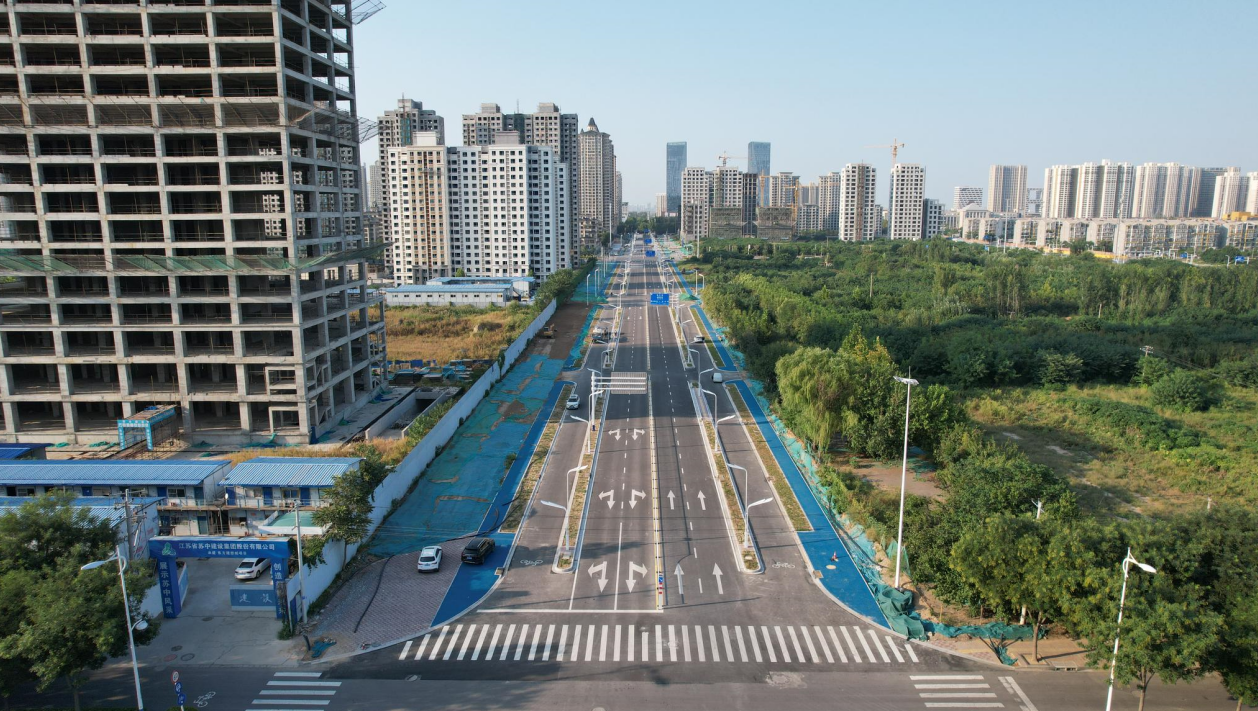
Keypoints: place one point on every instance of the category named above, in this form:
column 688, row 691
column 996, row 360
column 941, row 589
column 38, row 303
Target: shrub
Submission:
column 1184, row 391
column 1058, row 370
column 1140, row 425
column 1150, row 371
column 1241, row 373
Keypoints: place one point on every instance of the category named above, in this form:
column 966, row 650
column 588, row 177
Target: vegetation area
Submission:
column 57, row 621
column 515, row 514
column 1110, row 394
column 785, row 493
column 446, row 333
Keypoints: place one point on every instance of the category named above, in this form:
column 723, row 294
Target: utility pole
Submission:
column 126, row 520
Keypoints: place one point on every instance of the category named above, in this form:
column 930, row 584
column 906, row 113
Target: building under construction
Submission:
column 180, row 220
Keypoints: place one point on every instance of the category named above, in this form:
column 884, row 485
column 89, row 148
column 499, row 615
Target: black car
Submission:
column 477, row 550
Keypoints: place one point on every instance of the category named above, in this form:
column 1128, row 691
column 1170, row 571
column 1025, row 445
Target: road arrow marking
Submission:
column 610, row 496
column 670, row 501
column 635, row 493
column 716, row 570
column 681, row 589
column 615, row 433
column 634, row 568
column 601, row 568
column 638, row 432
column 701, row 501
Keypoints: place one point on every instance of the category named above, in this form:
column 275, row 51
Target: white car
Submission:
column 429, row 559
column 251, row 568
column 717, row 377
column 574, row 401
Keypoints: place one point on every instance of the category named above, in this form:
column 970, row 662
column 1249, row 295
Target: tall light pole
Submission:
column 301, row 574
column 904, row 470
column 140, row 624
column 566, row 542
column 1122, row 598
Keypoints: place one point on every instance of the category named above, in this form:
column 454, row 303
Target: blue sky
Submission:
column 964, row 85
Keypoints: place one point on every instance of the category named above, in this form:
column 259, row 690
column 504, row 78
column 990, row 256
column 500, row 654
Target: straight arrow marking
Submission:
column 716, row 571
column 701, row 501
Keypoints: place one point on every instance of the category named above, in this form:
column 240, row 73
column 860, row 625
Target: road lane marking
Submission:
column 786, row 654
column 685, row 642
column 484, row 629
column 699, row 642
column 659, row 643
column 742, row 648
column 755, row 645
column 856, row 657
column 952, row 686
column 729, row 650
column 303, row 683
column 768, row 643
column 467, row 641
column 454, row 638
column 616, row 644
column 631, row 635
column 799, row 653
column 524, row 635
column 589, row 643
column 602, row 644
column 964, row 705
column 869, row 655
column 898, row 657
column 812, row 651
column 537, row 637
column 646, row 649
column 550, row 634
column 945, row 677
column 958, row 695
column 716, row 653
column 563, row 643
column 423, row 643
column 506, row 643
column 881, row 652
column 672, row 644
column 825, row 647
column 908, row 647
column 437, row 647
column 405, row 650
column 304, row 675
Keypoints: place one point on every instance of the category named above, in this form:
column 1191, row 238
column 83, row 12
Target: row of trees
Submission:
column 58, row 621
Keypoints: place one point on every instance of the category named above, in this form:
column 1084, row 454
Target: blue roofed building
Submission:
column 478, row 295
column 22, row 451
column 260, row 490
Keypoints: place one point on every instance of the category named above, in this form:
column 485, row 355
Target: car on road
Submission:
column 251, row 568
column 477, row 550
column 574, row 401
column 717, row 377
column 429, row 559
column 698, row 338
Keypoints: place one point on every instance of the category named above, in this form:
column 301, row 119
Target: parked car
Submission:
column 429, row 559
column 477, row 550
column 717, row 377
column 251, row 568
column 574, row 401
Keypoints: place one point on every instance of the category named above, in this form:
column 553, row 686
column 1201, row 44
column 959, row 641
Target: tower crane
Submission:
column 725, row 158
column 895, row 150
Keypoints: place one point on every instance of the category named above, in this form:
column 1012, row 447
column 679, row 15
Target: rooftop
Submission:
column 109, row 473
column 289, row 471
column 449, row 288
column 102, row 507
column 17, row 451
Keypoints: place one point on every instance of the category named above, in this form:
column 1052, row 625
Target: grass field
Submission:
column 445, row 333
column 1114, row 467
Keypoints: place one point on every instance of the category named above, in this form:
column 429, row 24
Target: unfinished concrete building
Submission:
column 180, row 220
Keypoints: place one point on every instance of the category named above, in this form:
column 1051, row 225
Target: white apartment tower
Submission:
column 829, row 195
column 964, row 196
column 1006, row 189
column 181, row 221
column 598, row 208
column 417, row 216
column 400, row 127
column 782, row 189
column 1231, row 189
column 727, row 187
column 1251, row 200
column 1165, row 190
column 696, row 202
column 932, row 218
column 858, row 220
column 908, row 184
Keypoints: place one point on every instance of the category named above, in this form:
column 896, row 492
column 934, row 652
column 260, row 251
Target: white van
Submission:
column 717, row 377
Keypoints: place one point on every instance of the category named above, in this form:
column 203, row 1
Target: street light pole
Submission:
column 1122, row 598
column 904, row 470
column 126, row 607
column 301, row 574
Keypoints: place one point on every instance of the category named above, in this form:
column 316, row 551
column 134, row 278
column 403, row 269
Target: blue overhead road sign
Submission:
column 659, row 299
column 650, row 253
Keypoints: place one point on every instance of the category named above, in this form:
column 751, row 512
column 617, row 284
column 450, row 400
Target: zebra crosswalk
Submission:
column 289, row 690
column 969, row 691
column 762, row 644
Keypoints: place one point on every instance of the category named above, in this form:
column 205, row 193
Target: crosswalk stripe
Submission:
column 454, row 640
column 602, row 645
column 894, row 650
column 672, row 644
column 716, row 652
column 729, row 651
column 799, row 653
column 742, row 648
column 964, row 705
column 946, row 677
column 881, row 652
column 803, row 629
column 768, row 643
column 505, row 649
column 293, row 702
column 786, row 655
column 856, row 657
column 484, row 629
column 699, row 641
column 537, row 637
column 422, row 645
column 306, row 675
column 951, row 686
column 631, row 637
column 659, row 643
column 576, row 643
column 616, row 646
column 467, row 640
column 303, row 683
column 958, row 695
column 493, row 643
column 838, row 646
column 755, row 645
column 589, row 643
column 524, row 638
column 685, row 643
column 405, row 650
column 437, row 646
column 869, row 655
column 297, row 692
column 908, row 647
column 646, row 650
column 550, row 634
column 563, row 643
column 821, row 639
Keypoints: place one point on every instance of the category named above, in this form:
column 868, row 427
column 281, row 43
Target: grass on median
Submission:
column 533, row 474
column 750, row 562
column 785, row 493
column 576, row 508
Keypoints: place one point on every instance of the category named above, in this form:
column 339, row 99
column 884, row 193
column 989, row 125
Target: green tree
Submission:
column 347, row 515
column 48, row 528
column 1058, row 370
column 1151, row 370
column 1183, row 390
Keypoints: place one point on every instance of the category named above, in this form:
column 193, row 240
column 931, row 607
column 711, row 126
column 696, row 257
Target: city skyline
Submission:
column 954, row 140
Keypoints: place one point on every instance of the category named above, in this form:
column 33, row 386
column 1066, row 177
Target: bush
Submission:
column 1151, row 370
column 1058, row 370
column 1184, row 391
column 1137, row 424
column 1241, row 373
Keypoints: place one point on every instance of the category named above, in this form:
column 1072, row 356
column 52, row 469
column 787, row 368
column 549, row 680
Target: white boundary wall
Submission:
column 394, row 486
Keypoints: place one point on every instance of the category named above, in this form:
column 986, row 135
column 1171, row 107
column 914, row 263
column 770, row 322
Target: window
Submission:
column 177, row 492
column 290, row 493
column 24, row 491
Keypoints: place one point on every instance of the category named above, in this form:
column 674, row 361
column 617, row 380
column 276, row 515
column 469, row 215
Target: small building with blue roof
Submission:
column 260, row 490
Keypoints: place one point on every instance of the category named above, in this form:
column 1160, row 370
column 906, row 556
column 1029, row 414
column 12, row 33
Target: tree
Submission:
column 1058, row 370
column 347, row 515
column 1184, row 391
column 48, row 528
column 1152, row 370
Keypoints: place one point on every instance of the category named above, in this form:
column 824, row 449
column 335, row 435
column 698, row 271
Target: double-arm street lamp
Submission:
column 1122, row 598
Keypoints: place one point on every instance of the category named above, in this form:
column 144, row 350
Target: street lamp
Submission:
column 566, row 541
column 904, row 469
column 694, row 355
column 140, row 624
column 747, row 521
column 586, row 448
column 1127, row 563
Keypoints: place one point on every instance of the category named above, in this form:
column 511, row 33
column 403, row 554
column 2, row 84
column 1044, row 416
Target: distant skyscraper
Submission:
column 1165, row 190
column 399, row 127
column 908, row 182
column 1231, row 190
column 1205, row 193
column 696, row 201
column 932, row 218
column 661, row 204
column 808, row 194
column 963, row 195
column 727, row 187
column 829, row 197
column 1059, row 191
column 1006, row 189
column 1116, row 186
column 782, row 190
column 1251, row 201
column 846, row 202
column 675, row 163
column 758, row 158
column 598, row 207
column 374, row 188
column 1034, row 201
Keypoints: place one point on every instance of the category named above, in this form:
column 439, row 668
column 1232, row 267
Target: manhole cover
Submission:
column 170, row 657
column 187, row 657
column 176, row 648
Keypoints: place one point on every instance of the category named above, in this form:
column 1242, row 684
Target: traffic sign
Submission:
column 183, row 699
column 178, row 688
column 658, row 299
column 647, row 240
column 174, row 677
column 650, row 253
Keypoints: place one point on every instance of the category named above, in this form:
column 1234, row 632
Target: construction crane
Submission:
column 725, row 158
column 363, row 9
column 895, row 150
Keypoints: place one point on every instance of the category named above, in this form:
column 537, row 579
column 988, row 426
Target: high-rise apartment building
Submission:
column 829, row 197
column 781, row 189
column 182, row 221
column 1116, row 196
column 1205, row 191
column 932, row 218
column 399, row 127
column 1059, row 191
column 758, row 158
column 696, row 202
column 908, row 183
column 1006, row 189
column 1251, row 200
column 375, row 190
column 727, row 187
column 1165, row 190
column 807, row 194
column 675, row 164
column 419, row 224
column 598, row 208
column 661, row 204
column 858, row 218
column 619, row 201
column 1034, row 201
column 749, row 200
column 1104, row 190
column 964, row 195
column 483, row 127
column 1231, row 190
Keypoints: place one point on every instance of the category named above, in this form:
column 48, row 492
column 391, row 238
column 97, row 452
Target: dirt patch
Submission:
column 887, row 478
column 513, row 409
column 568, row 320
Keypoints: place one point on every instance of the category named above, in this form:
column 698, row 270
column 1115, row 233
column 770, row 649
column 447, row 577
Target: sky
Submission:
column 963, row 85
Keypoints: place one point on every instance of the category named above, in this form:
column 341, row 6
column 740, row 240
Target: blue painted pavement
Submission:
column 844, row 582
